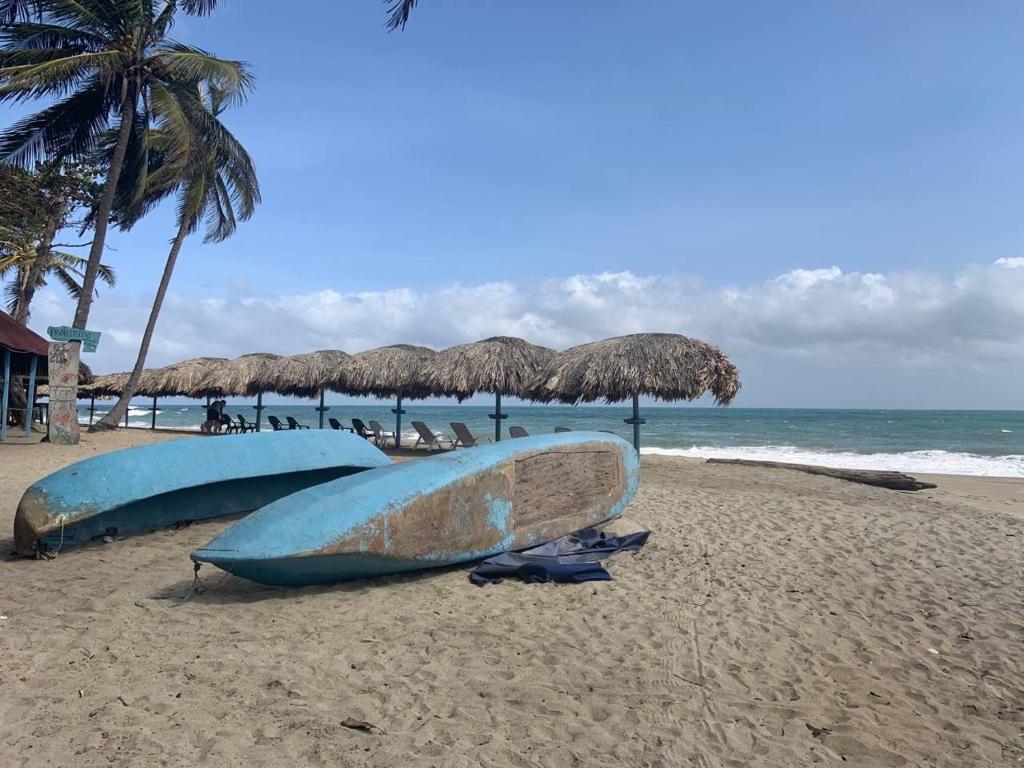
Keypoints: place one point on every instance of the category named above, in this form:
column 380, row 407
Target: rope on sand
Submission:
column 198, row 586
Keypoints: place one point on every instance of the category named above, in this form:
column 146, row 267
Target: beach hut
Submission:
column 387, row 372
column 24, row 354
column 501, row 365
column 665, row 366
column 307, row 375
column 242, row 376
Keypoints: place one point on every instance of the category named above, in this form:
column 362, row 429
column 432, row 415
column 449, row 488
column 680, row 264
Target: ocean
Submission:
column 951, row 442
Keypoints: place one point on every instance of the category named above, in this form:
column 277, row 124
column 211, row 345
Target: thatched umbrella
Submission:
column 242, row 376
column 307, row 375
column 500, row 364
column 184, row 379
column 387, row 372
column 665, row 366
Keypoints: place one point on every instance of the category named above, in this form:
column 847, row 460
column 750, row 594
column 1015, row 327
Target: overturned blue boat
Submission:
column 432, row 512
column 149, row 487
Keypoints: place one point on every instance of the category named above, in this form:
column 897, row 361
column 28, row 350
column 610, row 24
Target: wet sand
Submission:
column 774, row 619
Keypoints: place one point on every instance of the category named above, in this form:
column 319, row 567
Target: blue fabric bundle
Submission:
column 571, row 559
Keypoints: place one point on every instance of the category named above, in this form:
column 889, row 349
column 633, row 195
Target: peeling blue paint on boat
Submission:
column 431, row 512
column 145, row 488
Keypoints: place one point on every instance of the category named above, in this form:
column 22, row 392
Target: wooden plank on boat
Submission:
column 432, row 512
column 145, row 488
column 896, row 481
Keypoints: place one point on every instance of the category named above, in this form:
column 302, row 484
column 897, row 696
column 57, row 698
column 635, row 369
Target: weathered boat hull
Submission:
column 432, row 512
column 146, row 488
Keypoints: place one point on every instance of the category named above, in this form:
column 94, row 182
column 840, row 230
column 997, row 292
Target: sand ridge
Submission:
column 774, row 619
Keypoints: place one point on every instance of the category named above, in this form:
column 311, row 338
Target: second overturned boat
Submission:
column 145, row 488
column 431, row 512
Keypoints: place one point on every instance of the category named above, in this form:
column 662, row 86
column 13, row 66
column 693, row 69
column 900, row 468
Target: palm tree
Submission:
column 215, row 183
column 25, row 275
column 106, row 62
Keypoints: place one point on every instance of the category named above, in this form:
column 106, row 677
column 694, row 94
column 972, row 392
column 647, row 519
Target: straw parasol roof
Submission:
column 184, row 378
column 503, row 365
column 665, row 366
column 241, row 376
column 107, row 385
column 385, row 372
column 305, row 375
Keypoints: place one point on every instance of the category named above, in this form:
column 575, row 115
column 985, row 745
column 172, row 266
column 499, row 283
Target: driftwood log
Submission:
column 895, row 481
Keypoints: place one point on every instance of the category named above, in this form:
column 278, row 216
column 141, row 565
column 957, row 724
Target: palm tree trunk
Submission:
column 105, row 206
column 38, row 264
column 110, row 420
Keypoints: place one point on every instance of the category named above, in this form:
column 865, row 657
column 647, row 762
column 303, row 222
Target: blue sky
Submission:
column 715, row 148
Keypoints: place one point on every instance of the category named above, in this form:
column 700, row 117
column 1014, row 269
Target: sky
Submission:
column 829, row 192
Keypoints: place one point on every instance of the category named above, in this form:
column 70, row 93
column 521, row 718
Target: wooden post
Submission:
column 636, row 421
column 322, row 410
column 92, row 408
column 152, row 423
column 497, row 416
column 397, row 410
column 6, row 392
column 63, row 374
column 259, row 409
column 31, row 399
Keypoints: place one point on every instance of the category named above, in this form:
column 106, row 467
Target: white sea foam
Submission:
column 937, row 462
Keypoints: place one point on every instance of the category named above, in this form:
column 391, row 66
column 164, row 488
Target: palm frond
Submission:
column 65, row 278
column 30, row 35
column 68, row 129
column 398, row 13
column 57, row 77
column 186, row 64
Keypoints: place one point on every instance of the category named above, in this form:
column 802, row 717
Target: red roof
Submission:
column 18, row 338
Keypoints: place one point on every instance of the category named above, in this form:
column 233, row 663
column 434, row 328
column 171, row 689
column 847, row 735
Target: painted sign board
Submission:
column 63, row 368
column 90, row 339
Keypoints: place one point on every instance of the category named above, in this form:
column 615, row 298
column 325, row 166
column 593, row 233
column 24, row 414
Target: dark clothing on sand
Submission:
column 571, row 559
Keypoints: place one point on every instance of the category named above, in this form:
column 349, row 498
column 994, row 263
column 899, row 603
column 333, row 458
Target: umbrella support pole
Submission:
column 398, row 411
column 92, row 408
column 30, row 399
column 322, row 409
column 259, row 409
column 152, row 421
column 636, row 421
column 497, row 416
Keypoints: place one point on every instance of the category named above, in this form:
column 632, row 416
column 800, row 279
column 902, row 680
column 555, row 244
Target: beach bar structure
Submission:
column 24, row 358
column 500, row 365
column 665, row 366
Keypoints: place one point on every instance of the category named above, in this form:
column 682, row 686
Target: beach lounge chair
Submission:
column 430, row 438
column 244, row 425
column 381, row 435
column 230, row 425
column 360, row 429
column 463, row 437
column 517, row 432
column 276, row 424
column 562, row 429
column 293, row 424
column 335, row 424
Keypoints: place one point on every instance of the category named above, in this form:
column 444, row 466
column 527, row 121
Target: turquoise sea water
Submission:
column 955, row 442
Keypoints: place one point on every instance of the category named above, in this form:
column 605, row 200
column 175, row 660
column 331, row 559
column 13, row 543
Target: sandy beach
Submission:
column 774, row 619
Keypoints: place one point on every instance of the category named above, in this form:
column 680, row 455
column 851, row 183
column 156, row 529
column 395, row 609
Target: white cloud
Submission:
column 867, row 324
